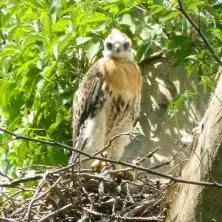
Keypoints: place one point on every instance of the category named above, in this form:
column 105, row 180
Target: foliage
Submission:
column 47, row 45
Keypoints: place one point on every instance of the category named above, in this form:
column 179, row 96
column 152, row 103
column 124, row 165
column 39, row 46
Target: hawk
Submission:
column 107, row 102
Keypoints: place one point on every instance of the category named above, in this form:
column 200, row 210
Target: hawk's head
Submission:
column 118, row 45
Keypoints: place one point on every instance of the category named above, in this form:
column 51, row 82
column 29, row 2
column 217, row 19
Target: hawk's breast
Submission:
column 123, row 76
column 122, row 85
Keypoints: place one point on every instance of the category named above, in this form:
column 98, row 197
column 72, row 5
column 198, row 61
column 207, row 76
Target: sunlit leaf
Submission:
column 126, row 19
column 32, row 38
column 82, row 40
column 170, row 16
column 194, row 4
column 60, row 26
column 217, row 5
column 217, row 32
column 93, row 50
column 155, row 9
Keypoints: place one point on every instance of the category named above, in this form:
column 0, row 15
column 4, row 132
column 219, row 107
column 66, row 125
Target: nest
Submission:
column 69, row 194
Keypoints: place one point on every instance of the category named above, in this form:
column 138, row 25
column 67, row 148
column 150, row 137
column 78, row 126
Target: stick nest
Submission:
column 81, row 195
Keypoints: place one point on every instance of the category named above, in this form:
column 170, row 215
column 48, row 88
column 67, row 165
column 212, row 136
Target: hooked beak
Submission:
column 117, row 48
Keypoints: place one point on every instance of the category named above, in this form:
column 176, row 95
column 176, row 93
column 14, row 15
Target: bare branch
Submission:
column 56, row 212
column 122, row 218
column 8, row 219
column 168, row 161
column 155, row 55
column 40, row 186
column 140, row 168
column 15, row 183
column 111, row 140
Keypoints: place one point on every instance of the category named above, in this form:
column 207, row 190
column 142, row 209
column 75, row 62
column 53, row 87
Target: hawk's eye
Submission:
column 109, row 45
column 126, row 45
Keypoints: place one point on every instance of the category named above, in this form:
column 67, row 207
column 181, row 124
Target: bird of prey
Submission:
column 107, row 102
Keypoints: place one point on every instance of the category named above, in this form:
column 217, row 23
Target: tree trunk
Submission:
column 198, row 203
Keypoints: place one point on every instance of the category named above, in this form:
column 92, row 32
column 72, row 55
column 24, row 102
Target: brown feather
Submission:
column 122, row 75
column 83, row 96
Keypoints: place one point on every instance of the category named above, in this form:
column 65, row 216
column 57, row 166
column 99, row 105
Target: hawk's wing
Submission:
column 87, row 98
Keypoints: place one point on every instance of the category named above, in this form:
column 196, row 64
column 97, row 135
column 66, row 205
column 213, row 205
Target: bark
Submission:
column 197, row 203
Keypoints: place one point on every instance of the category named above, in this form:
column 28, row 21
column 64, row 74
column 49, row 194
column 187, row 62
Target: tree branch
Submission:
column 15, row 183
column 133, row 166
column 199, row 31
column 45, row 218
column 117, row 217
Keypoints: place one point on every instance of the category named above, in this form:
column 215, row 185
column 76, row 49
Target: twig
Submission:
column 40, row 186
column 122, row 218
column 199, row 31
column 153, row 56
column 94, row 176
column 148, row 155
column 15, row 183
column 49, row 190
column 107, row 145
column 56, row 212
column 4, row 175
column 141, row 207
column 52, row 143
column 168, row 161
column 150, row 171
column 111, row 140
column 8, row 219
column 148, row 208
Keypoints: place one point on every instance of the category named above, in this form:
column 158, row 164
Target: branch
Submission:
column 155, row 55
column 52, row 143
column 56, row 212
column 8, row 219
column 111, row 140
column 29, row 209
column 14, row 183
column 117, row 217
column 168, row 161
column 140, row 168
column 199, row 31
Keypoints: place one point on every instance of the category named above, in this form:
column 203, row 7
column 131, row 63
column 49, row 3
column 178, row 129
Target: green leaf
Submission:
column 143, row 50
column 32, row 38
column 182, row 99
column 155, row 9
column 126, row 19
column 183, row 46
column 82, row 40
column 92, row 51
column 172, row 15
column 217, row 5
column 46, row 24
column 56, row 51
column 194, row 4
column 217, row 33
column 60, row 26
column 37, row 3
column 57, row 156
column 207, row 82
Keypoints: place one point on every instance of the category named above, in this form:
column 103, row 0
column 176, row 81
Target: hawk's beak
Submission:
column 117, row 48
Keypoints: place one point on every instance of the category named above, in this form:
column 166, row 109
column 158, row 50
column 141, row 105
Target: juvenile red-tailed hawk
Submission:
column 107, row 102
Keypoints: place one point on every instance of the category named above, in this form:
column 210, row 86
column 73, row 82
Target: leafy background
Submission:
column 46, row 46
